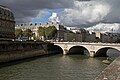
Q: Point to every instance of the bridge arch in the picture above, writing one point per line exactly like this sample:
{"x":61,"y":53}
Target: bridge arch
{"x":102,"y":52}
{"x":54,"y":49}
{"x":79,"y":50}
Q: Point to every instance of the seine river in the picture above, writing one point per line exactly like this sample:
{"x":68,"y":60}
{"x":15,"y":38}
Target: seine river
{"x":56,"y":67}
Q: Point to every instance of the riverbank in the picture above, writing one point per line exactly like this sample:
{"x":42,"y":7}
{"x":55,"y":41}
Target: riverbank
{"x":16,"y":50}
{"x":10,"y":51}
{"x":112,"y":72}
{"x":17,"y":55}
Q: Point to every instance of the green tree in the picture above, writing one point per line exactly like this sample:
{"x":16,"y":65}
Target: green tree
{"x":18,"y":33}
{"x":51,"y":31}
{"x":28,"y":33}
{"x":41,"y":31}
{"x":34,"y":36}
{"x":47,"y":32}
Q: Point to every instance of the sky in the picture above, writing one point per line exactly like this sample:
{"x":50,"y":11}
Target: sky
{"x":90,"y":14}
{"x":45,"y":18}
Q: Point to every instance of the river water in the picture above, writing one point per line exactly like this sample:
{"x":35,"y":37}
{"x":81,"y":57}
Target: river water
{"x":56,"y":67}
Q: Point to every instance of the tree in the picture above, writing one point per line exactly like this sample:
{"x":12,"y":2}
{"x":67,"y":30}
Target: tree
{"x":34,"y":36}
{"x":51,"y":31}
{"x":41,"y":31}
{"x":27,"y":33}
{"x":47,"y":32}
{"x":18,"y":33}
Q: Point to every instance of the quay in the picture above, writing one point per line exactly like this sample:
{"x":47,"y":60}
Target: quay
{"x":112,"y":72}
{"x":15,"y":50}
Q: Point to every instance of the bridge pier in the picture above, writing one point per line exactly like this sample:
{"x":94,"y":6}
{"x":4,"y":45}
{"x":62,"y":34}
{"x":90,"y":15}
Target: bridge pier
{"x":65,"y":51}
{"x":92,"y":53}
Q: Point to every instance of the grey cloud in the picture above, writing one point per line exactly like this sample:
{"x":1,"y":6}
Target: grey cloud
{"x":106,"y":27}
{"x":25,"y":10}
{"x":89,"y":13}
{"x":77,"y":12}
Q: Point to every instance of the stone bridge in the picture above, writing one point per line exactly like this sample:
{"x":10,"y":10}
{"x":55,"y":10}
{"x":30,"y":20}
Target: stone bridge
{"x":93,"y":49}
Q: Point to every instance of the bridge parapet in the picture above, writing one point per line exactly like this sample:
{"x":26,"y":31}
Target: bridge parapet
{"x":86,"y":43}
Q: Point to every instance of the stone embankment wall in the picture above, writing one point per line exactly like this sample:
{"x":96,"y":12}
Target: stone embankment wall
{"x":10,"y":50}
{"x":16,"y":55}
{"x":112,"y":72}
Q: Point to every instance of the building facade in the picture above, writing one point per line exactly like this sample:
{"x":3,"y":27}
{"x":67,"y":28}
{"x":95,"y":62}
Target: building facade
{"x":110,"y":38}
{"x":79,"y":33}
{"x":32,"y":27}
{"x":35,"y":26}
{"x":72,"y":34}
{"x":7,"y":23}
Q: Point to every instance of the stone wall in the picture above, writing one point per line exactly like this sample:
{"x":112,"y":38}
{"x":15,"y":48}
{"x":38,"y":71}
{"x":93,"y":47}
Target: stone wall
{"x":112,"y":72}
{"x":10,"y":51}
{"x":16,"y":55}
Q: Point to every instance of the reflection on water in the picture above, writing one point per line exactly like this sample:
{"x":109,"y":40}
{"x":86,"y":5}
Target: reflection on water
{"x":58,"y":67}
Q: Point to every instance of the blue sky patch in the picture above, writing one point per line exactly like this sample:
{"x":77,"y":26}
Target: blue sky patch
{"x":45,"y":18}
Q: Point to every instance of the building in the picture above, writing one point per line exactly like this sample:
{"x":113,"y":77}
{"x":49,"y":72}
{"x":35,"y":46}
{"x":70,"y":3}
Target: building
{"x":80,"y":34}
{"x":71,"y":34}
{"x":34,"y":28}
{"x":63,"y":34}
{"x":110,"y":37}
{"x":7,"y":23}
{"x":91,"y":37}
{"x":31,"y":26}
{"x":103,"y":37}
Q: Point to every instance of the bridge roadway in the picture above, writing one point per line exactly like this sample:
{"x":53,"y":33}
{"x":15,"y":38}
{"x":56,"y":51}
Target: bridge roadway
{"x":94,"y":49}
